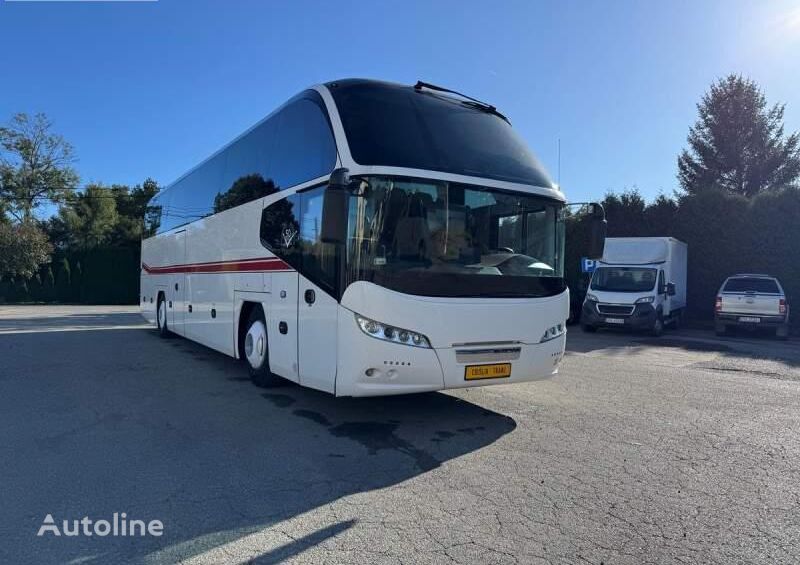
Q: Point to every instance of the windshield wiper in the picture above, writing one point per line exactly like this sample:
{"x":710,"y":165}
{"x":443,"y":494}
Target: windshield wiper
{"x":470,"y":101}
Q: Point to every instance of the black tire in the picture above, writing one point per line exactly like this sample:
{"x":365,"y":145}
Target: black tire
{"x":161,"y":319}
{"x":658,"y":326}
{"x":588,"y":328}
{"x":677,"y":320}
{"x":782,"y":333}
{"x":721,"y":330}
{"x":255,"y":351}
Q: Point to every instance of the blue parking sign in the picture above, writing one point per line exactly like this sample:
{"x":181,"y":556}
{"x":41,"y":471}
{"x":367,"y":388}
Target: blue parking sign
{"x":588,"y":265}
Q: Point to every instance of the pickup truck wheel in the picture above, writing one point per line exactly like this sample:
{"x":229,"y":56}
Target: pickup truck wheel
{"x":782,"y":332}
{"x":721,"y":330}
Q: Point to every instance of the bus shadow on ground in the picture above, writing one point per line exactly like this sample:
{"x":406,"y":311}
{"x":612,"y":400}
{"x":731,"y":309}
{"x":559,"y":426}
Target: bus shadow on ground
{"x":122,"y":421}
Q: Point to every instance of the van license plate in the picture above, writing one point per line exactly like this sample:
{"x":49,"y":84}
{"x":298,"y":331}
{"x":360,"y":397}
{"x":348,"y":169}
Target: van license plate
{"x":615,"y":321}
{"x":749,"y":320}
{"x":498,"y":371}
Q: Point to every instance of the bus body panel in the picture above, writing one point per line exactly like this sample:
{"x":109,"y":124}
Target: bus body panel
{"x":316,"y":337}
{"x":220,"y":241}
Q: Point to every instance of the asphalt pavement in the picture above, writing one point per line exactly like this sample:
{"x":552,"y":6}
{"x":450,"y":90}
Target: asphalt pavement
{"x":683,"y":449}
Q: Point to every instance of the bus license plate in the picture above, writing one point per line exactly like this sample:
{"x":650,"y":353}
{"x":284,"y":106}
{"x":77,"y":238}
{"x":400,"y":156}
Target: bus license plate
{"x":750,"y":319}
{"x":498,"y":371}
{"x":615,"y":321}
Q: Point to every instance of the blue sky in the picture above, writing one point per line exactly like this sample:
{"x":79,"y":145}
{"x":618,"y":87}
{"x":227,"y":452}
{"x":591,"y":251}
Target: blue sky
{"x":150,"y":89}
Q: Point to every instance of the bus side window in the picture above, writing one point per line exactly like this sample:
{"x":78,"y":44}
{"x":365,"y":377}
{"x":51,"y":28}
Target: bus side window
{"x":280,"y":229}
{"x":305,"y":147}
{"x":319,"y":259}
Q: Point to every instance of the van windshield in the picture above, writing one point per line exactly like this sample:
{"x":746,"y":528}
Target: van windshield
{"x":624,"y":279}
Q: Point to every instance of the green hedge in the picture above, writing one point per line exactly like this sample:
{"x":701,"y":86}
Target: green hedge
{"x":98,"y":276}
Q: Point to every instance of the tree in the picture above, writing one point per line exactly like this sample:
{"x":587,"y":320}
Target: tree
{"x":35,"y":165}
{"x":23,"y":249}
{"x":131,"y":208}
{"x":86,"y":219}
{"x":625,"y":213}
{"x":738,"y":143}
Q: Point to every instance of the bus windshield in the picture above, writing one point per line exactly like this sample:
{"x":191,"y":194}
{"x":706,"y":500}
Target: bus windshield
{"x":436,"y":238}
{"x":624,"y":279}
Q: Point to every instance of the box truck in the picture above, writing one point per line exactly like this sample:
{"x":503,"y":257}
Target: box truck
{"x":640,"y":284}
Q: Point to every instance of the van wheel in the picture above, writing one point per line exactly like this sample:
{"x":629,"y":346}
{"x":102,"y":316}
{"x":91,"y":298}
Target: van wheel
{"x":161,"y":317}
{"x":658,"y":326}
{"x":256,"y":351}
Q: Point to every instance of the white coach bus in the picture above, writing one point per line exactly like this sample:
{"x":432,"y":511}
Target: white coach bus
{"x":367,"y":238}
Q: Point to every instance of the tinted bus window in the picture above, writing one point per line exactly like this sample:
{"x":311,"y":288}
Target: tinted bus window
{"x":397,"y":126}
{"x":304,"y":147}
{"x":291,"y":147}
{"x":248,"y":174}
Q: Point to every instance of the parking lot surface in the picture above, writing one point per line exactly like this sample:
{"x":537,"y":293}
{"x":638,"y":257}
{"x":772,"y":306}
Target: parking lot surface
{"x":679,"y":450}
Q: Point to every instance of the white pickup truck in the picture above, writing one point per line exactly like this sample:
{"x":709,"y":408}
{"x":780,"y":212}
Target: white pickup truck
{"x":752,"y":301}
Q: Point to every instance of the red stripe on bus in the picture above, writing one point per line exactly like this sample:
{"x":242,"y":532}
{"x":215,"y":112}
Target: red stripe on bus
{"x":239,"y":265}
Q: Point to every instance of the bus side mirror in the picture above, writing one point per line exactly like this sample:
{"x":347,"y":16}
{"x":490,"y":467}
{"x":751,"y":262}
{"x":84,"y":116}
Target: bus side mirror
{"x":597,"y":232}
{"x":334,"y":208}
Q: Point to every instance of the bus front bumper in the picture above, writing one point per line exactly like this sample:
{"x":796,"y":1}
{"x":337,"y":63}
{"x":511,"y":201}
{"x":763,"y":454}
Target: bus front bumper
{"x":372,"y":367}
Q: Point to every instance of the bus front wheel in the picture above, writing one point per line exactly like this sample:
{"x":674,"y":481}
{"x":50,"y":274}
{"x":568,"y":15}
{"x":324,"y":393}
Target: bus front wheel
{"x":256,"y":351}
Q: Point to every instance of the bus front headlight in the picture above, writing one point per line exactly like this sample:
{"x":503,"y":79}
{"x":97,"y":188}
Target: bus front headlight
{"x":553,"y":332}
{"x":385,"y":332}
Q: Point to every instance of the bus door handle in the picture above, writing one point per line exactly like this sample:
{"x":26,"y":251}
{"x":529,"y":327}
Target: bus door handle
{"x":310,"y":296}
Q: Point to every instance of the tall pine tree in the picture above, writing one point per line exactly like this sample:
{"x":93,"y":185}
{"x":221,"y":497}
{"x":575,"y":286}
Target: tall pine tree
{"x":738,"y":143}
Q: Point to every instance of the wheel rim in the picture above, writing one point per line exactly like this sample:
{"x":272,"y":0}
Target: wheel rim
{"x":255,"y":344}
{"x":162,"y":314}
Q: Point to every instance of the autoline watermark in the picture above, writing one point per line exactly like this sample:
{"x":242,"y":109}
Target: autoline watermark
{"x":118,"y":526}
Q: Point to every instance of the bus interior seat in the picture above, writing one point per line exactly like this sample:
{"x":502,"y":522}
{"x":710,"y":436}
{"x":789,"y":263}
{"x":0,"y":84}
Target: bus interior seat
{"x":412,"y":238}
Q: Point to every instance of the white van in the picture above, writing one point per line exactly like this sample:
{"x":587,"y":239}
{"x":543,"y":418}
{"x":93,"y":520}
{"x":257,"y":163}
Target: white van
{"x":640,"y":283}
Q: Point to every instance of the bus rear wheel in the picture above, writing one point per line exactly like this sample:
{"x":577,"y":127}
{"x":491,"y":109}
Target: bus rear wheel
{"x":255,"y":351}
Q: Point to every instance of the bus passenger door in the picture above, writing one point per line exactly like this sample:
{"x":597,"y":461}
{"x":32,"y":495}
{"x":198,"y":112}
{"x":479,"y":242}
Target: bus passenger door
{"x":177,"y":289}
{"x":317,"y":308}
